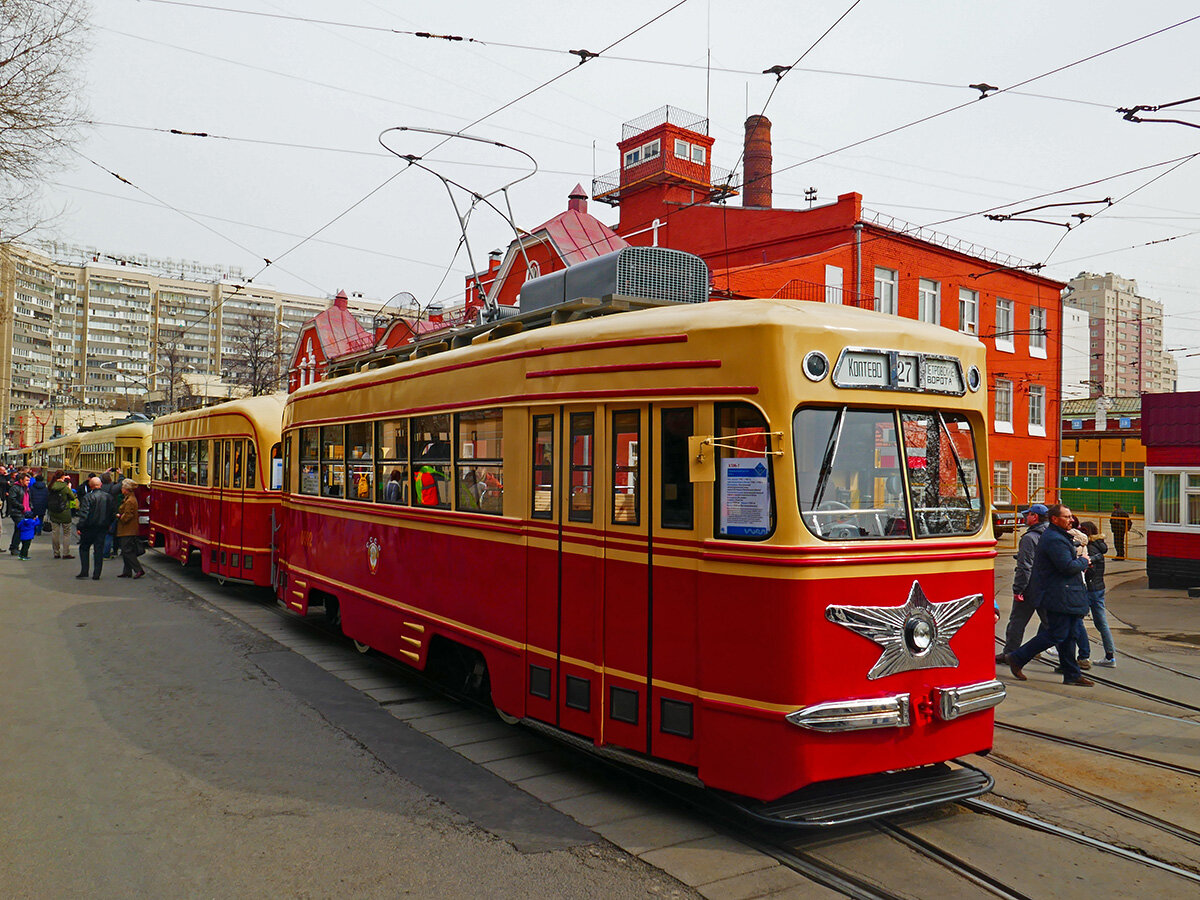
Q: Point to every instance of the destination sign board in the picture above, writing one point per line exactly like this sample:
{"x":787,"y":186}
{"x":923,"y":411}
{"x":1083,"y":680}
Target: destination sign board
{"x":898,"y":370}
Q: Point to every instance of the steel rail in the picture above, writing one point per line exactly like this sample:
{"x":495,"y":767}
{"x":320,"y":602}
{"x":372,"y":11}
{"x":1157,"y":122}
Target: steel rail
{"x":1103,"y":846}
{"x":952,"y":862}
{"x":1120,"y":809}
{"x":1096,"y":748}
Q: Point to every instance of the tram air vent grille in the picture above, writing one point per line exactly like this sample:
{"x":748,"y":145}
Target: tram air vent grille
{"x":661,"y":274}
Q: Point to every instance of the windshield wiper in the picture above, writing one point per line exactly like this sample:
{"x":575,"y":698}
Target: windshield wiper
{"x":835,"y":436}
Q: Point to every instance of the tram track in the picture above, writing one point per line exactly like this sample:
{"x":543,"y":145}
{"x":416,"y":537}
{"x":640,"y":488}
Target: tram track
{"x":1097,"y":748}
{"x":786,"y":847}
{"x":1128,"y":812}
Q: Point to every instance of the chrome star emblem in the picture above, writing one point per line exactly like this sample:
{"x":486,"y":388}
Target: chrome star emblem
{"x":913,"y":636}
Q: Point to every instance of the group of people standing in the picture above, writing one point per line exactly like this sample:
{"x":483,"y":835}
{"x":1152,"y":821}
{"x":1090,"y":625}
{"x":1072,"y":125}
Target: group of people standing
{"x":103,"y":513}
{"x":1060,"y":576}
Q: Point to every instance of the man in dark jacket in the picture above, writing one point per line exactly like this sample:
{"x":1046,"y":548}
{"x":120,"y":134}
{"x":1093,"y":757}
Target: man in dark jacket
{"x":1022,"y":608}
{"x":17,"y":501}
{"x":95,"y":516}
{"x":1121,"y":523}
{"x":39,"y":493}
{"x":1057,"y":590}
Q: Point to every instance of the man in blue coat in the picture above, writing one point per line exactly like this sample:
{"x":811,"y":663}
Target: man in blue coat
{"x":1058,"y":592}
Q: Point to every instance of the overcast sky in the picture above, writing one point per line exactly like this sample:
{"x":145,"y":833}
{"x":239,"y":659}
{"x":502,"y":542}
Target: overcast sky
{"x":295,"y":110}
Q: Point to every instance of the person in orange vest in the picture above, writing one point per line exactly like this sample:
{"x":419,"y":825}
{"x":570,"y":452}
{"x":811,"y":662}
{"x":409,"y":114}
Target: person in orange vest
{"x":425,"y":486}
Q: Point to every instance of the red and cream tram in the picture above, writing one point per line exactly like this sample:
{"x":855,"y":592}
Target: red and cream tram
{"x":125,"y":447}
{"x":743,"y":542}
{"x":216,"y":478}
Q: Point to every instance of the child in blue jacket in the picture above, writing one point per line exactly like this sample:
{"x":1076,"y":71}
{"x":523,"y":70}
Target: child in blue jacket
{"x":26,"y":530}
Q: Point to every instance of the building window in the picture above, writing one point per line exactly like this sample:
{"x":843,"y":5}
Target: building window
{"x":1002,"y":481}
{"x":885,"y":291}
{"x":1004,"y":404}
{"x":1166,"y":498}
{"x":698,"y":154}
{"x":968,"y":311}
{"x":929,"y":301}
{"x":1110,"y":470}
{"x":1068,"y":470}
{"x":833,"y":284}
{"x":1037,"y":332}
{"x":1037,"y":482}
{"x":1037,"y":410}
{"x":1134,"y":469}
{"x":1087,"y":469}
{"x":1004,"y":325}
{"x":682,"y":149}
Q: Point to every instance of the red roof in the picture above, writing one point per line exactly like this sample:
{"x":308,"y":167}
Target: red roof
{"x":577,"y":235}
{"x":339,"y":332}
{"x":1171,"y":420}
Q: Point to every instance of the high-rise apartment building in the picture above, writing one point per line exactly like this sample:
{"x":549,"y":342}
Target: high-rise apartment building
{"x":1127,"y":357}
{"x":81,"y":333}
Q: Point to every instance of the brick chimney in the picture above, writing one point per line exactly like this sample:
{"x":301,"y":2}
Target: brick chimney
{"x":756,"y":163}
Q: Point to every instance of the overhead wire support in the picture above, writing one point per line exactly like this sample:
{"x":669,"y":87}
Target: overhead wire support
{"x":1023,"y":215}
{"x":1131,"y":113}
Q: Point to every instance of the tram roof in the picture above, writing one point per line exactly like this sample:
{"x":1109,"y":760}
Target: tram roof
{"x":263,"y":413}
{"x":134,"y":430}
{"x":843,"y":325}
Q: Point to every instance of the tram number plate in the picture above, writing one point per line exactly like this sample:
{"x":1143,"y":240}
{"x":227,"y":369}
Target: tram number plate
{"x":907,"y":369}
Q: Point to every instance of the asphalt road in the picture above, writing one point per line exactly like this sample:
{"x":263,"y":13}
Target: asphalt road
{"x":153,"y":747}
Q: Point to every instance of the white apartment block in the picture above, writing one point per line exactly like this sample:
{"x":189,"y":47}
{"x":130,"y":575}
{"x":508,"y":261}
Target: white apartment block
{"x":79,"y":332}
{"x":1127,"y":357}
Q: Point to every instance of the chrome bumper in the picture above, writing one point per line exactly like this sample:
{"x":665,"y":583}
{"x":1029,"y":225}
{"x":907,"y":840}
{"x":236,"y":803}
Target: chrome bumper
{"x":896,"y":711}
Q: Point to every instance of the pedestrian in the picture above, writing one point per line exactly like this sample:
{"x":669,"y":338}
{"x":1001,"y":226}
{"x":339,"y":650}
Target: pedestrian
{"x":127,"y":532}
{"x":1060,"y":597}
{"x":38,"y":494}
{"x":94,"y":518}
{"x":1094,"y":577}
{"x":27,"y":530}
{"x":5,"y":482}
{"x":1022,"y":610}
{"x":58,"y":508}
{"x":18,"y":506}
{"x":113,"y":489}
{"x":1120,"y":522}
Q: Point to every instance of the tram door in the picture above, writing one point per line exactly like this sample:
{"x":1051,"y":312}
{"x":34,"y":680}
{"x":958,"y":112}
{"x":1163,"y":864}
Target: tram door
{"x":229,"y":508}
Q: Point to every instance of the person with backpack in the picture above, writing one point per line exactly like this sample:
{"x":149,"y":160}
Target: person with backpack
{"x":58,"y":509}
{"x":95,"y":517}
{"x":18,"y":507}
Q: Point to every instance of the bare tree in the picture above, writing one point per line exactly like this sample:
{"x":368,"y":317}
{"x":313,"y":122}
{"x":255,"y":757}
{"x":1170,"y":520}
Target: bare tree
{"x":41,"y":42}
{"x":171,"y":360}
{"x":254,"y":357}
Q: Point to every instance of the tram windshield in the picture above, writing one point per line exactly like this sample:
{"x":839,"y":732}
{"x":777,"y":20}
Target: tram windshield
{"x":867,"y":474}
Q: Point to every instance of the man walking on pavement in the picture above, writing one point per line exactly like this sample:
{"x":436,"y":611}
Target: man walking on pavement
{"x":1121,"y":523}
{"x":1057,"y":591}
{"x":1022,"y":609}
{"x":95,"y":515}
{"x":18,"y":506}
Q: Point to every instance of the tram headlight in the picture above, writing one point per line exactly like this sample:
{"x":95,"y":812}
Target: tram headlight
{"x":816,"y":365}
{"x":974,"y":379}
{"x":919,"y":634}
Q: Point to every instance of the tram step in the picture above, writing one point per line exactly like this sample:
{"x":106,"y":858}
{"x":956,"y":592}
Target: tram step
{"x":850,"y":800}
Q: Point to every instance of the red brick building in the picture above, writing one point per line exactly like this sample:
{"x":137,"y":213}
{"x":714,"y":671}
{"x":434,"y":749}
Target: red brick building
{"x":668,"y":193}
{"x":329,"y":335}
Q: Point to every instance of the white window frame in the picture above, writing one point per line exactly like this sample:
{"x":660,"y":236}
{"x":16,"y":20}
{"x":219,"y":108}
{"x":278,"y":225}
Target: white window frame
{"x":1003,"y":388}
{"x":929,"y":301}
{"x":1002,"y":481}
{"x":1005,"y":324}
{"x":1037,"y":410}
{"x":683,"y":150}
{"x":652,"y":150}
{"x":633,"y":157}
{"x":886,"y":283}
{"x":1035,"y":484}
{"x":1037,"y":335}
{"x":698,"y":154}
{"x":833,"y":284}
{"x":968,"y":311}
{"x":1151,"y":478}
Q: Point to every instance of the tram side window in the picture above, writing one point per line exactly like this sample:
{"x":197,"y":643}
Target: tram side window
{"x":391,"y":439}
{"x":361,"y":460}
{"x":193,"y":462}
{"x":626,"y":467}
{"x":310,"y":455}
{"x":218,"y":449}
{"x":333,"y":461}
{"x":430,"y":454}
{"x":202,"y":463}
{"x":287,"y":463}
{"x":156,"y":462}
{"x":543,"y":467}
{"x":238,"y":463}
{"x":848,"y":479}
{"x":479,"y":475}
{"x":179,"y":462}
{"x":583,"y":432}
{"x":251,"y":465}
{"x":676,"y":502}
{"x":943,"y":474}
{"x":745,"y":492}
{"x":276,"y":472}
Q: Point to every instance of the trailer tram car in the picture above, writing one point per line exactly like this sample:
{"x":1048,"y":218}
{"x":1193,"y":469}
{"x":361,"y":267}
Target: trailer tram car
{"x":216,"y":479}
{"x":742,"y":543}
{"x":125,"y":447}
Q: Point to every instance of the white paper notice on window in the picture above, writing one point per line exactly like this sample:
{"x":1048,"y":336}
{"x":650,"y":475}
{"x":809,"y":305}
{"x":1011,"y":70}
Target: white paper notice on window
{"x":746,"y":497}
{"x":276,"y":474}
